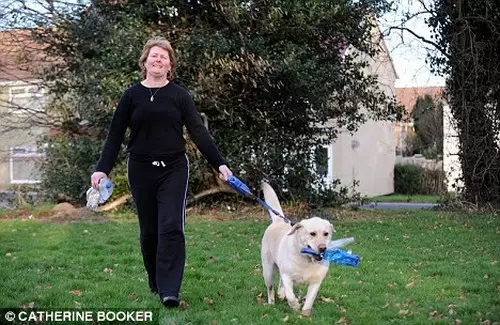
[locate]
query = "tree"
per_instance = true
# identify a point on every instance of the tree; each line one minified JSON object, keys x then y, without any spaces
{"x":428,"y":122}
{"x":463,"y":48}
{"x":470,"y":36}
{"x":268,"y":74}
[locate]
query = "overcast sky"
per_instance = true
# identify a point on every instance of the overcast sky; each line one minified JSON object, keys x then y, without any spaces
{"x":407,"y":52}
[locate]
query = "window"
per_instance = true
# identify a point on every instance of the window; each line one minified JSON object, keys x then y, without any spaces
{"x":323,"y":163}
{"x":24,"y":165}
{"x":25,"y":99}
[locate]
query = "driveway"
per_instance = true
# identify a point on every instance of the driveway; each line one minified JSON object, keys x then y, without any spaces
{"x":398,"y":206}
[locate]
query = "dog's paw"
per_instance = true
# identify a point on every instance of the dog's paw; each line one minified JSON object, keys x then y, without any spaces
{"x":306,"y":312}
{"x":294,"y":304}
{"x":281,"y":293}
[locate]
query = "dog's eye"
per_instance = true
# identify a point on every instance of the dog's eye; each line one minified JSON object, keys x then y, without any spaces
{"x":312,"y":234}
{"x":325,"y":234}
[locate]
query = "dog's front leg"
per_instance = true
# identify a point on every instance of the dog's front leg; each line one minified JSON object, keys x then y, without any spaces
{"x":281,"y":290}
{"x":290,"y":296}
{"x":312,"y":292}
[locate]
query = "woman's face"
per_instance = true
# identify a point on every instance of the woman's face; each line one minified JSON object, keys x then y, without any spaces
{"x":158,"y":62}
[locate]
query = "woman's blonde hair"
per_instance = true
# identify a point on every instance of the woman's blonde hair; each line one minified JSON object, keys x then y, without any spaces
{"x":162,"y":43}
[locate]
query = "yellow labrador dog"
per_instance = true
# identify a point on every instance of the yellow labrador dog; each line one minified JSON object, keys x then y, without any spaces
{"x":281,"y":247}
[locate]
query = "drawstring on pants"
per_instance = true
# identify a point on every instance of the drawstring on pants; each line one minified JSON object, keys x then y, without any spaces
{"x":157,"y":163}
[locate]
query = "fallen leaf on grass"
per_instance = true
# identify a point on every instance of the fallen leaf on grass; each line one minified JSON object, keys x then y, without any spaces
{"x":76,"y":292}
{"x":434,"y":314}
{"x":209,"y":301}
{"x":106,"y":270}
{"x":404,"y":312}
{"x":285,"y":319}
{"x":30,"y":305}
{"x":327,"y":300}
{"x":260,"y":299}
{"x":410,"y":285}
{"x":133,"y":297}
{"x":343,"y":321}
{"x":183,"y":305}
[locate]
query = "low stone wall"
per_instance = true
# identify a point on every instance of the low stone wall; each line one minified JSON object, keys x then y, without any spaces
{"x":430,"y":164}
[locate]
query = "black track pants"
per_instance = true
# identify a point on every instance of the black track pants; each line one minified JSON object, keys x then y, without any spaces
{"x":159,"y":191}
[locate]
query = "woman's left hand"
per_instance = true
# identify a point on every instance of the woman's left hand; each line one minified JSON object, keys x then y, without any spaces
{"x":224,"y":173}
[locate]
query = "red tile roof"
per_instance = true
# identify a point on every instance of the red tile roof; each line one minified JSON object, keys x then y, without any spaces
{"x":21,"y":58}
{"x":408,"y":96}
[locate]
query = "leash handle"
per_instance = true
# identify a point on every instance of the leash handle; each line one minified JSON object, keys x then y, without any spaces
{"x":243,"y":189}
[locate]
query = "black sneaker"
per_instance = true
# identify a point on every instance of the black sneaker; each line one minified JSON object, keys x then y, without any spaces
{"x":170,"y":301}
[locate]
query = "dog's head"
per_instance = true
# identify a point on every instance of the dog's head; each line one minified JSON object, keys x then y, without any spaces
{"x":315,"y":233}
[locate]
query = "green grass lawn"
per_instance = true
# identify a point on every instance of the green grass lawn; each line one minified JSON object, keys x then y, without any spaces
{"x":407,"y":198}
{"x":421,"y":267}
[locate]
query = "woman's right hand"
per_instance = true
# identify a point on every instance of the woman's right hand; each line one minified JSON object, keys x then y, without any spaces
{"x":95,"y":178}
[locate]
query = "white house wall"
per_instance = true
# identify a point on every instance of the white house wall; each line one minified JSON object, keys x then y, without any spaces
{"x":451,"y":163}
{"x":368,"y":156}
{"x":11,"y":137}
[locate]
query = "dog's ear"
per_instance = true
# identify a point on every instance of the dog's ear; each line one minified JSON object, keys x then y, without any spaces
{"x":294,"y":228}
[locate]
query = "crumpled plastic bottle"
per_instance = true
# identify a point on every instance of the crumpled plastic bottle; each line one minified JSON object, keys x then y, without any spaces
{"x":335,"y":255}
{"x":105,"y":190}
{"x":99,"y":196}
{"x":340,"y":257}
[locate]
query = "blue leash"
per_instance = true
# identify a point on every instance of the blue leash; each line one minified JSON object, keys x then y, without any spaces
{"x":241,"y":188}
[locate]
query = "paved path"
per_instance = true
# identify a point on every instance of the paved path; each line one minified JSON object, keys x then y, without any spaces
{"x":397,"y":206}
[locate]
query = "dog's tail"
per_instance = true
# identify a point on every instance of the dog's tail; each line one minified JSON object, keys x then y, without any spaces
{"x":272,"y":199}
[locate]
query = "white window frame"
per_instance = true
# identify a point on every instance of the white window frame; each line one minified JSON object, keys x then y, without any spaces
{"x":30,"y":91}
{"x":30,"y":152}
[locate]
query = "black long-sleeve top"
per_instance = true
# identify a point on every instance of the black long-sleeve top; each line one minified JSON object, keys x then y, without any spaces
{"x":156,"y":127}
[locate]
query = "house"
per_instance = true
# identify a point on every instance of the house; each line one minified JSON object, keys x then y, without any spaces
{"x":408,"y":98}
{"x":367,"y":156}
{"x":21,"y":100}
{"x":451,"y":147}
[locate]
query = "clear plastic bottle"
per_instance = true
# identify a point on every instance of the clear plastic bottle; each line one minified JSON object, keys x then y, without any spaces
{"x":100,"y":196}
{"x":92,"y":199}
{"x":105,"y":190}
{"x":340,"y":242}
